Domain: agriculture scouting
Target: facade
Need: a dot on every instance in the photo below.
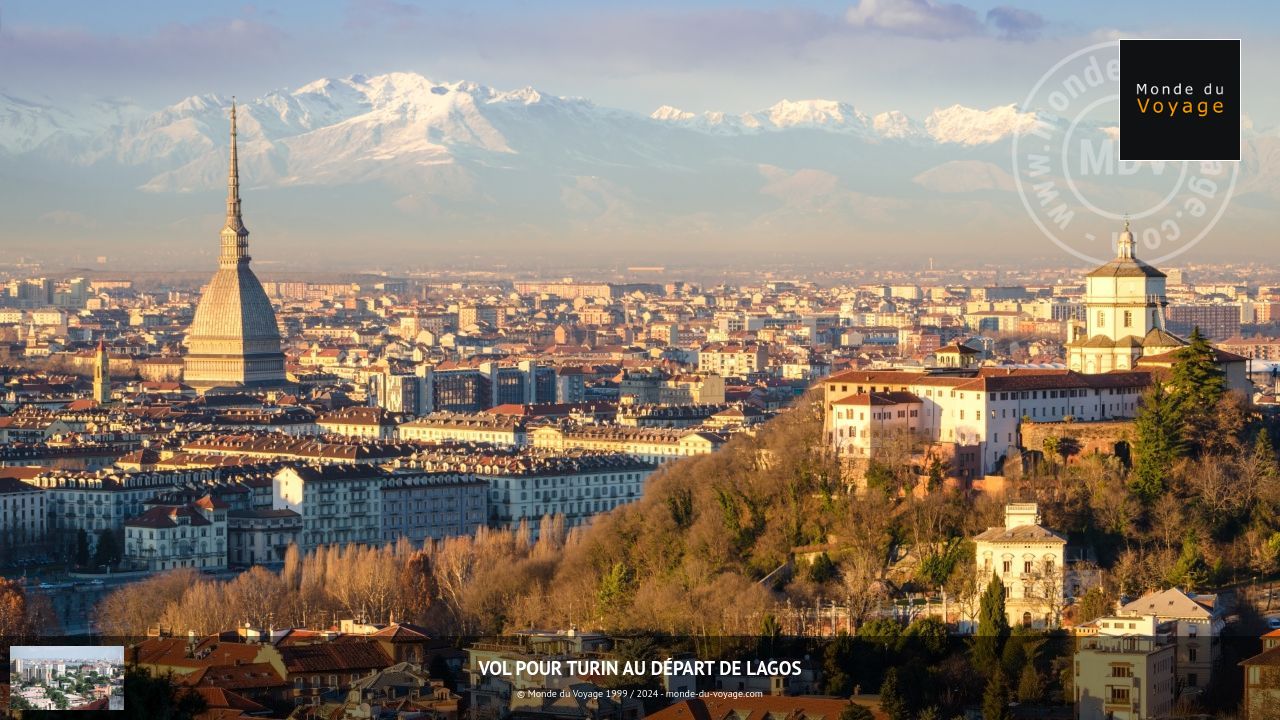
(1029, 560)
(234, 340)
(1124, 314)
(424, 506)
(976, 414)
(1196, 621)
(649, 444)
(733, 359)
(359, 422)
(576, 487)
(1262, 680)
(182, 535)
(258, 536)
(506, 430)
(1125, 671)
(101, 375)
(339, 504)
(23, 514)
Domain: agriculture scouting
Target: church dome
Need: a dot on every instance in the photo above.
(234, 308)
(1125, 263)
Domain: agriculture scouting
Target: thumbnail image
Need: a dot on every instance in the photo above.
(66, 677)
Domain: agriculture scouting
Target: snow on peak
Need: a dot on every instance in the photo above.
(814, 113)
(970, 126)
(895, 125)
(668, 113)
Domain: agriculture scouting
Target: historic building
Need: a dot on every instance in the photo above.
(1029, 560)
(1124, 315)
(234, 340)
(101, 375)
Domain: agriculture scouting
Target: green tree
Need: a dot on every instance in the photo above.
(615, 588)
(1030, 687)
(1159, 428)
(1095, 603)
(108, 551)
(1190, 571)
(993, 626)
(82, 548)
(822, 570)
(995, 699)
(854, 711)
(1051, 447)
(893, 699)
(1198, 384)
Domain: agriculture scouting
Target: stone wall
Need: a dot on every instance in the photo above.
(1111, 437)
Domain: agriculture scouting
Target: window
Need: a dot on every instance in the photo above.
(1008, 565)
(1192, 654)
(1119, 694)
(1102, 317)
(1026, 567)
(1128, 318)
(1122, 671)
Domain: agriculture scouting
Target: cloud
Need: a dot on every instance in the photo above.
(365, 14)
(917, 18)
(1013, 23)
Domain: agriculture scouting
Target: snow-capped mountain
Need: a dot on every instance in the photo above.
(464, 158)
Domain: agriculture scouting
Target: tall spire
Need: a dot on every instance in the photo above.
(235, 236)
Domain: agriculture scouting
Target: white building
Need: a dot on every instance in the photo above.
(975, 413)
(655, 445)
(1124, 314)
(1197, 623)
(732, 359)
(1125, 671)
(1028, 559)
(507, 430)
(23, 514)
(261, 535)
(172, 536)
(423, 506)
(339, 504)
(578, 486)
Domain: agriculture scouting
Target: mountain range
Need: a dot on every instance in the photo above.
(412, 164)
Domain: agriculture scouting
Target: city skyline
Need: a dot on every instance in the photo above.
(107, 653)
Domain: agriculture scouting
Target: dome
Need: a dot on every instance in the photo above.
(234, 310)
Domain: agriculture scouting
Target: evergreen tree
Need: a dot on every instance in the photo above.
(993, 626)
(1159, 427)
(995, 700)
(1190, 571)
(822, 570)
(893, 701)
(854, 711)
(1196, 377)
(1198, 384)
(82, 548)
(107, 552)
(1030, 688)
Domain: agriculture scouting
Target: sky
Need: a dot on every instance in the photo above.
(112, 653)
(909, 55)
(914, 56)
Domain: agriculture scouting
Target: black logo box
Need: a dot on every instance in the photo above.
(1187, 68)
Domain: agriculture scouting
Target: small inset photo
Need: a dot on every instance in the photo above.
(66, 677)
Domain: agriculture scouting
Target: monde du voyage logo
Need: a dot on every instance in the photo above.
(1180, 100)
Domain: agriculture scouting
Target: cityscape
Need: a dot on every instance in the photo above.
(66, 678)
(533, 469)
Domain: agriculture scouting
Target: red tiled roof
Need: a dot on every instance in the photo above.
(326, 657)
